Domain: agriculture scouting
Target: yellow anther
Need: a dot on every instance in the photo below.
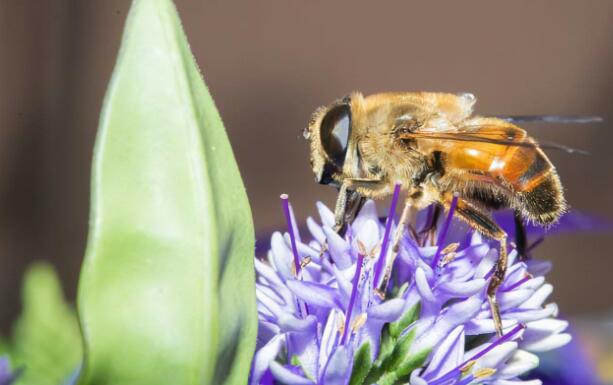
(450, 248)
(449, 257)
(340, 324)
(358, 322)
(468, 367)
(484, 373)
(323, 250)
(361, 247)
(376, 250)
(366, 253)
(305, 262)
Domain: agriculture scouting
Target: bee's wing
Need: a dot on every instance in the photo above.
(490, 132)
(558, 119)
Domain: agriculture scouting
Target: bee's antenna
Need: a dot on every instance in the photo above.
(564, 119)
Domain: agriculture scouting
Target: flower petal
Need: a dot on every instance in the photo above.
(368, 213)
(264, 357)
(330, 336)
(327, 216)
(339, 250)
(528, 315)
(447, 355)
(487, 263)
(513, 298)
(539, 297)
(462, 289)
(517, 382)
(289, 323)
(286, 376)
(282, 258)
(455, 315)
(422, 285)
(267, 272)
(544, 327)
(387, 311)
(316, 231)
(416, 379)
(494, 358)
(368, 236)
(520, 363)
(338, 369)
(548, 343)
(314, 293)
(486, 326)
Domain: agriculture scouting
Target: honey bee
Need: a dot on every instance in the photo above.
(436, 149)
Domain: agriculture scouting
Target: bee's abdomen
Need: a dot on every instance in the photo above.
(539, 190)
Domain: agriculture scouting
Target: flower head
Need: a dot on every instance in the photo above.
(6, 376)
(350, 309)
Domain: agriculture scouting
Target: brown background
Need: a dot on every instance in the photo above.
(269, 63)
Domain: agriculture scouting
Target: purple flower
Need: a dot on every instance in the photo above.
(6, 376)
(348, 310)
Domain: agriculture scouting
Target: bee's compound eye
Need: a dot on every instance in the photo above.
(335, 132)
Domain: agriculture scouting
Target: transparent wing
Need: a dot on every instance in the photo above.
(558, 119)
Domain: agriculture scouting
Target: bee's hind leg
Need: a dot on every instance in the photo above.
(520, 235)
(485, 225)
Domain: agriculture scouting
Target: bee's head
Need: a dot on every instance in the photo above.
(328, 132)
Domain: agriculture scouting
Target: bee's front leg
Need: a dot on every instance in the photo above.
(340, 209)
(349, 201)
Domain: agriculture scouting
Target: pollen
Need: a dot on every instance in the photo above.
(450, 248)
(358, 322)
(305, 262)
(484, 373)
(468, 367)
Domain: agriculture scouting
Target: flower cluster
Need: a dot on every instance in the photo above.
(6, 377)
(337, 310)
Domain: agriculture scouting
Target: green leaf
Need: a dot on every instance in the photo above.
(386, 372)
(362, 363)
(46, 340)
(411, 362)
(167, 291)
(386, 347)
(405, 321)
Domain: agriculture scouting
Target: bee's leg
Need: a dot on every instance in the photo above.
(520, 235)
(340, 208)
(430, 229)
(387, 273)
(485, 225)
(349, 202)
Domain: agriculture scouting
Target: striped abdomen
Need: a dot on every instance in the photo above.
(520, 168)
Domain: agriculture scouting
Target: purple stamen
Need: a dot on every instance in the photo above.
(458, 369)
(535, 244)
(290, 230)
(354, 292)
(443, 234)
(386, 236)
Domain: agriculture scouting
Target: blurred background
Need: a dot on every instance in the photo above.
(269, 64)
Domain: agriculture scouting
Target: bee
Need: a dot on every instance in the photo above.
(433, 145)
